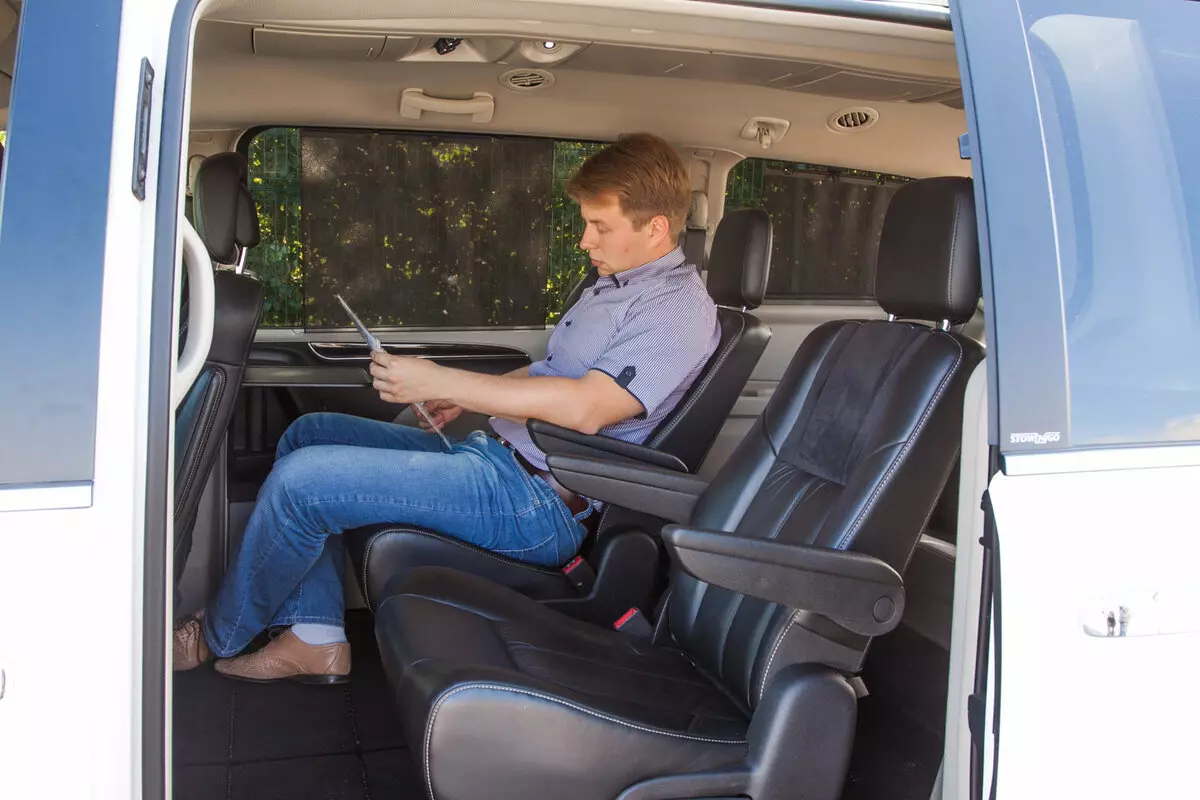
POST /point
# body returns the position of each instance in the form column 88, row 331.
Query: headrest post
column 241, row 262
column 891, row 317
column 945, row 325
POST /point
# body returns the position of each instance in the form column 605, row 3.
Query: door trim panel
column 440, row 351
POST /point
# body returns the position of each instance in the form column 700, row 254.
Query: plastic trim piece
column 46, row 497
column 479, row 108
column 1108, row 459
column 172, row 172
column 202, row 310
column 860, row 592
column 919, row 14
column 663, row 493
column 551, row 438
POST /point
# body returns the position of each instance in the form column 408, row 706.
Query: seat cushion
column 383, row 555
column 504, row 698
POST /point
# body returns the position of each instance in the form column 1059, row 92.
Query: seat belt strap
column 693, row 247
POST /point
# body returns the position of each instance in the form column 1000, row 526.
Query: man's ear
column 660, row 228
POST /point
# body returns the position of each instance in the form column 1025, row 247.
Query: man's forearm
column 585, row 404
column 517, row 396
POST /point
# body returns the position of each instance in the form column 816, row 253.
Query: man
column 617, row 363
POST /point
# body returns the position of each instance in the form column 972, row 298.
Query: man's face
column 612, row 242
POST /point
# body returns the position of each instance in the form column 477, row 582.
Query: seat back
column 227, row 221
column 852, row 450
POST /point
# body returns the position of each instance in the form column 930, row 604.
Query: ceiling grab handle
column 414, row 101
column 201, row 313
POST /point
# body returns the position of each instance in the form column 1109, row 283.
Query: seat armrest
column 663, row 493
column 859, row 591
column 551, row 438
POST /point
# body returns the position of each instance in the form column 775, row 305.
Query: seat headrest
column 698, row 213
column 740, row 260
column 928, row 263
column 224, row 211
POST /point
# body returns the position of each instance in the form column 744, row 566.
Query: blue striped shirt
column 651, row 329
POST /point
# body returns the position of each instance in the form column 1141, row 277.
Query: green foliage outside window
column 443, row 205
column 274, row 161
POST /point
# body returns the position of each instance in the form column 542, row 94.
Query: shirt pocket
column 574, row 348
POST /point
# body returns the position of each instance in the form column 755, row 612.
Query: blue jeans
column 335, row 472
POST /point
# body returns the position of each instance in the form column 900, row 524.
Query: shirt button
column 595, row 292
column 568, row 323
column 549, row 358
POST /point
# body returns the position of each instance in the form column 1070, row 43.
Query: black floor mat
column 898, row 742
column 895, row 758
column 245, row 741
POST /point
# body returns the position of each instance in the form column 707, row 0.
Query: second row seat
column 625, row 558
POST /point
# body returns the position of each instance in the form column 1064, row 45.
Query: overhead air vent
column 526, row 80
column 853, row 119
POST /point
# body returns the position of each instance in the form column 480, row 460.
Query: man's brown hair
column 646, row 176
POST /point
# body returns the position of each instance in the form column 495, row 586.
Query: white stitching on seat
column 497, row 687
column 953, row 247
column 762, row 688
column 658, row 623
column 367, row 560
column 883, row 483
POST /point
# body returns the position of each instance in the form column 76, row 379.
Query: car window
column 826, row 221
column 414, row 229
column 1117, row 92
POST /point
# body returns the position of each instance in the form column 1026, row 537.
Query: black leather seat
column 787, row 567
column 626, row 558
column 225, row 216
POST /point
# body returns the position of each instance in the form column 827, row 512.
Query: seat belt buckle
column 580, row 575
column 634, row 623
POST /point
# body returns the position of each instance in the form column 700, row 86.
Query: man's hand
column 442, row 412
column 404, row 379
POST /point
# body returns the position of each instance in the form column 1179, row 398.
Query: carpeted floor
column 244, row 741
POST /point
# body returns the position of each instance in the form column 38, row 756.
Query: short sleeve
column 665, row 337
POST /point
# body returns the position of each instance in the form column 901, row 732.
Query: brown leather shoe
column 289, row 658
column 190, row 649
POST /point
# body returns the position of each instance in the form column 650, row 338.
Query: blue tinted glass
column 1118, row 90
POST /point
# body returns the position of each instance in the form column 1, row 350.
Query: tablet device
column 374, row 344
column 368, row 337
